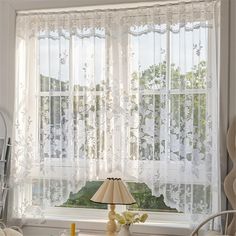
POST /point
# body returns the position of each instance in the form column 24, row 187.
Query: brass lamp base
column 111, row 224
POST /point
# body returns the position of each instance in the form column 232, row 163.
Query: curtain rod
column 49, row 12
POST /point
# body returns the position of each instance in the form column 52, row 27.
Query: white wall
column 7, row 46
column 232, row 64
column 42, row 4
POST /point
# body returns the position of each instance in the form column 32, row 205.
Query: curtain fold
column 128, row 93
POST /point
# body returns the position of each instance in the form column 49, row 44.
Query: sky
column 186, row 48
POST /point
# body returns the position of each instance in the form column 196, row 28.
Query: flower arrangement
column 128, row 218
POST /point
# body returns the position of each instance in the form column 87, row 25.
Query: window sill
column 97, row 227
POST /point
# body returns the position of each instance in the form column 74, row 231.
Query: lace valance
column 172, row 17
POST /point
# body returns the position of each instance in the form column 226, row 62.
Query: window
column 128, row 92
column 142, row 194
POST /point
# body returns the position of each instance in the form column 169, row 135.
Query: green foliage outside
column 155, row 77
column 145, row 200
column 140, row 191
column 82, row 198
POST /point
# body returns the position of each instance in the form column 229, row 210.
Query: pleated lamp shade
column 113, row 191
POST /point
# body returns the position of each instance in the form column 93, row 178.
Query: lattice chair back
column 212, row 232
column 10, row 231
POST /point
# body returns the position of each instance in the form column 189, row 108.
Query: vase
column 124, row 231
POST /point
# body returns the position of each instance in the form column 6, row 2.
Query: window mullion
column 168, row 91
column 71, row 97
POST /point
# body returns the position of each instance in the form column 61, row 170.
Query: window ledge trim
column 98, row 226
column 89, row 214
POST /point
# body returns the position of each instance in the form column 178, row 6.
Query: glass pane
column 144, row 199
column 89, row 57
column 140, row 191
column 148, row 51
column 82, row 198
column 44, row 65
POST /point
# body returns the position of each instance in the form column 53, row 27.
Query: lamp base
column 111, row 224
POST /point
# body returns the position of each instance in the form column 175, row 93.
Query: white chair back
column 212, row 232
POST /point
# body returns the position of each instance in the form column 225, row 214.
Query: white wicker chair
column 212, row 218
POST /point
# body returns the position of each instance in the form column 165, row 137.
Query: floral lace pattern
column 123, row 93
column 153, row 15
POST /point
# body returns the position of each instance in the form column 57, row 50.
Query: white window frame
column 166, row 91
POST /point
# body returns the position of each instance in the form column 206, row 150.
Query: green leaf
column 143, row 218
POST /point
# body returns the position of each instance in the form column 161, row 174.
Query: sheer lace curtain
column 118, row 92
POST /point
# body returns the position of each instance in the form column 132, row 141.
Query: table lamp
column 113, row 191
